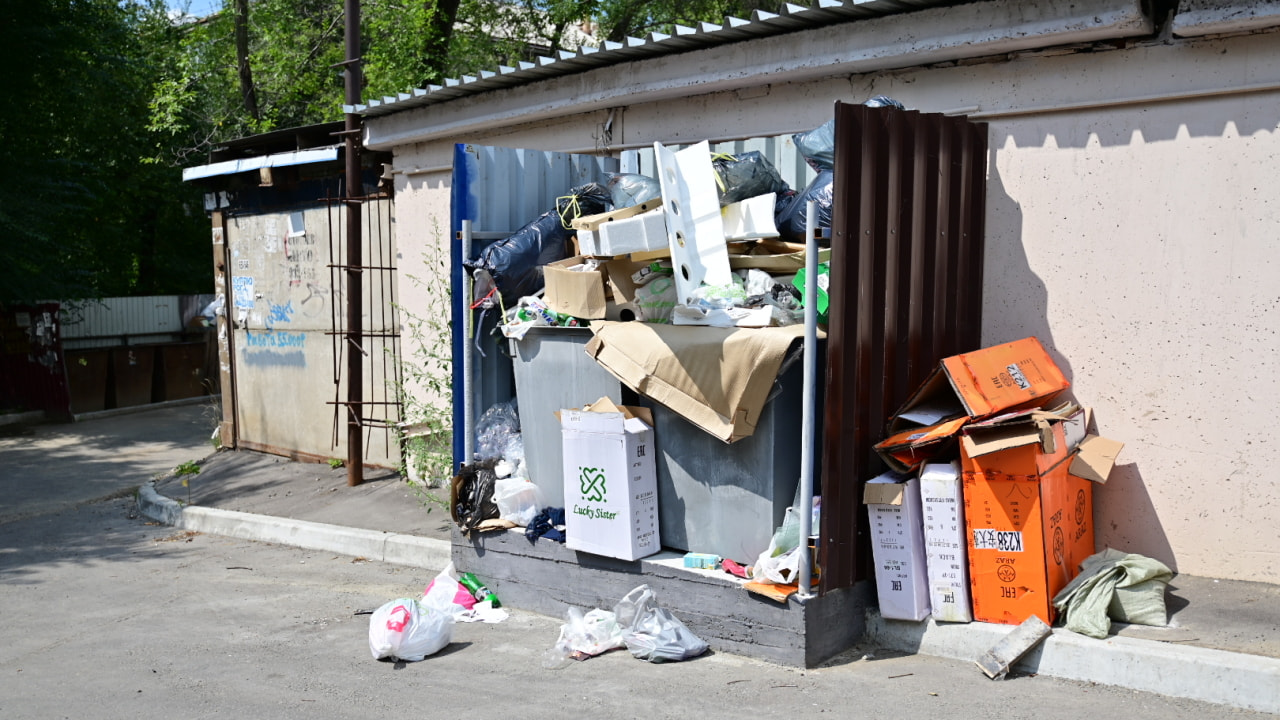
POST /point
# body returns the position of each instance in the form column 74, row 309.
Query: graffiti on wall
column 275, row 348
column 242, row 289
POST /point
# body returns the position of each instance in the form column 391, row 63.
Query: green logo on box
column 592, row 484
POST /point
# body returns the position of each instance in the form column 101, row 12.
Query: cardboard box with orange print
column 1030, row 519
column 964, row 388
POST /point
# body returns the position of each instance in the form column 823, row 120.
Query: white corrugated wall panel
column 96, row 323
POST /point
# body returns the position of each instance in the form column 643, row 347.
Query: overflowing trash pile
column 985, row 513
column 716, row 239
column 713, row 240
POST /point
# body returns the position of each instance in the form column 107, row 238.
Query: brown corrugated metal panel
column 33, row 374
column 906, row 291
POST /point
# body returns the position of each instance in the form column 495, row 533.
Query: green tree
column 84, row 209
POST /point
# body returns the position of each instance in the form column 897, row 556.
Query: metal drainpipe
column 355, row 354
column 805, row 579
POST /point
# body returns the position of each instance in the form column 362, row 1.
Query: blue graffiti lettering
column 275, row 358
column 274, row 339
column 280, row 313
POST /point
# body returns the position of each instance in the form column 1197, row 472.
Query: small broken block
column 1002, row 656
column 706, row 561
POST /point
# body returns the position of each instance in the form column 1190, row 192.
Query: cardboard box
column 945, row 547
column 897, row 546
column 575, row 292
column 610, row 480
column 1030, row 521
column 967, row 387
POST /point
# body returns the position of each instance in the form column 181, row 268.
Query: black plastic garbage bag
column 746, row 175
column 515, row 264
column 790, row 219
column 471, row 495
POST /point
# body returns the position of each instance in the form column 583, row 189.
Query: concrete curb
column 409, row 550
column 1216, row 676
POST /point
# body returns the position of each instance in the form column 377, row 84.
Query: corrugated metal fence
column 906, row 291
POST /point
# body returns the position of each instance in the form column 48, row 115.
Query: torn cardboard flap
column 1020, row 428
column 775, row 258
column 887, row 489
column 716, row 378
column 604, row 415
column 908, row 449
column 1094, row 458
column 606, row 405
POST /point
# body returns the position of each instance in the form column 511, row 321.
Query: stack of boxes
column 1003, row 476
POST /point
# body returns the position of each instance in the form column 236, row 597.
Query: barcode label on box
column 1019, row 379
column 1002, row 540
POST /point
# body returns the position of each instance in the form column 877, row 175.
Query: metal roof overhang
column 231, row 167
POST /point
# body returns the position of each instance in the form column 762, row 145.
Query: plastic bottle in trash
column 477, row 589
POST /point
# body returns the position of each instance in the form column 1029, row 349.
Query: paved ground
column 49, row 467
column 110, row 616
column 51, row 475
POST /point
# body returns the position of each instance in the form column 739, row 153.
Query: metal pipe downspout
column 355, row 292
column 810, row 373
column 468, row 402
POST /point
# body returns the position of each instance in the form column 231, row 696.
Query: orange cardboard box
column 966, row 387
column 1030, row 521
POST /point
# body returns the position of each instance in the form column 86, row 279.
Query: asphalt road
column 107, row 615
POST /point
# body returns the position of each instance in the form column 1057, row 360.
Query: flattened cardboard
column 1011, row 376
column 908, row 449
column 1023, row 427
column 1094, row 458
column 716, row 378
column 572, row 292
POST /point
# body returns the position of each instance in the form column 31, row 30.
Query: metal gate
column 377, row 351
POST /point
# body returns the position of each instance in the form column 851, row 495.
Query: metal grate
column 381, row 410
column 906, row 291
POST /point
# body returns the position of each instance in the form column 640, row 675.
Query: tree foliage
column 109, row 99
column 84, row 209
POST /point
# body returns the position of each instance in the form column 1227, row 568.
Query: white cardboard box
column 642, row 233
column 610, row 481
column 946, row 549
column 897, row 546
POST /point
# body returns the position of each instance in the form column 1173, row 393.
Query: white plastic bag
column 518, row 500
column 652, row 633
column 405, row 629
column 780, row 562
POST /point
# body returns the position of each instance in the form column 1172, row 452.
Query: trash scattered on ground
column 410, row 630
column 637, row 622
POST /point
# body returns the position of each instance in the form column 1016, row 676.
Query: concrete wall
column 1131, row 218
column 282, row 306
